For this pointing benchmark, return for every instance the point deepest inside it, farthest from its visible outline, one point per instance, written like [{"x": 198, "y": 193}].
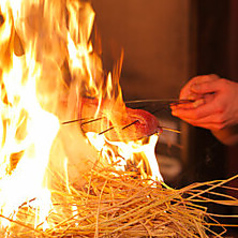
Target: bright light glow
[
  {"x": 48, "y": 66},
  {"x": 140, "y": 153}
]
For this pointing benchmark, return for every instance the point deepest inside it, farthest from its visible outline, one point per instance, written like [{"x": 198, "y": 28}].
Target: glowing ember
[{"x": 48, "y": 67}]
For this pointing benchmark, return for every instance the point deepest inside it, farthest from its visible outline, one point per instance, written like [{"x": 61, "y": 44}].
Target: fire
[
  {"x": 130, "y": 156},
  {"x": 27, "y": 130},
  {"x": 48, "y": 71}
]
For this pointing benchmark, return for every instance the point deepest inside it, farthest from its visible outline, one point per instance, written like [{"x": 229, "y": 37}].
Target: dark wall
[
  {"x": 232, "y": 159},
  {"x": 217, "y": 52},
  {"x": 213, "y": 36},
  {"x": 208, "y": 156},
  {"x": 155, "y": 37}
]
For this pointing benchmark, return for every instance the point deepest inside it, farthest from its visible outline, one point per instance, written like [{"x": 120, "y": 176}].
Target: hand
[{"x": 215, "y": 103}]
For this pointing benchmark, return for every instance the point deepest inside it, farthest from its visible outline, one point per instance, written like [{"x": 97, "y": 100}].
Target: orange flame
[{"x": 47, "y": 68}]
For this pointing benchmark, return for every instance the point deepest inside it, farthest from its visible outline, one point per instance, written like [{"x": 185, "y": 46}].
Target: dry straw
[{"x": 120, "y": 204}]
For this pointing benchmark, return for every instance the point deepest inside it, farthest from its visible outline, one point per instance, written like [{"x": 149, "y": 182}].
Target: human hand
[{"x": 215, "y": 103}]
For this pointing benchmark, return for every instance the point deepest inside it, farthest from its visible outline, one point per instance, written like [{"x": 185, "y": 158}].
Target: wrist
[{"x": 228, "y": 135}]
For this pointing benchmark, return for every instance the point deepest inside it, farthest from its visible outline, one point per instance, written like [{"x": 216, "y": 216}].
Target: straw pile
[{"x": 116, "y": 204}]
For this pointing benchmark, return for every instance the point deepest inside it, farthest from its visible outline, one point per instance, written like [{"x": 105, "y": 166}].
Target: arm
[
  {"x": 228, "y": 135},
  {"x": 215, "y": 106}
]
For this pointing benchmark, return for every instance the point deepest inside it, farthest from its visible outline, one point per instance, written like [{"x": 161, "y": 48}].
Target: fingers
[
  {"x": 209, "y": 125},
  {"x": 194, "y": 89},
  {"x": 208, "y": 87},
  {"x": 192, "y": 114},
  {"x": 195, "y": 117},
  {"x": 207, "y": 98},
  {"x": 205, "y": 78},
  {"x": 206, "y": 107},
  {"x": 203, "y": 111},
  {"x": 215, "y": 102},
  {"x": 211, "y": 122}
]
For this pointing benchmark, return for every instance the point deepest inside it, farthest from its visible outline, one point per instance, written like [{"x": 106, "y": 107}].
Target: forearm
[{"x": 228, "y": 136}]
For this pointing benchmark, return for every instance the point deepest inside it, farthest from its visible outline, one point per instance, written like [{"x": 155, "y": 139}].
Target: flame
[
  {"x": 27, "y": 130},
  {"x": 137, "y": 156},
  {"x": 48, "y": 67}
]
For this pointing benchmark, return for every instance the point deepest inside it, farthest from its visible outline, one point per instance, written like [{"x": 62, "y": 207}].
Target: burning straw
[{"x": 119, "y": 204}]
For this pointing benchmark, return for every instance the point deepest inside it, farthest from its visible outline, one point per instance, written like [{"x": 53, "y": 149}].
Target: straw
[{"x": 120, "y": 204}]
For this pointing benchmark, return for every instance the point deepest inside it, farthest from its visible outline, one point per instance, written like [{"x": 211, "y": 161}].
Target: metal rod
[
  {"x": 109, "y": 129},
  {"x": 93, "y": 120},
  {"x": 72, "y": 121},
  {"x": 123, "y": 128}
]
